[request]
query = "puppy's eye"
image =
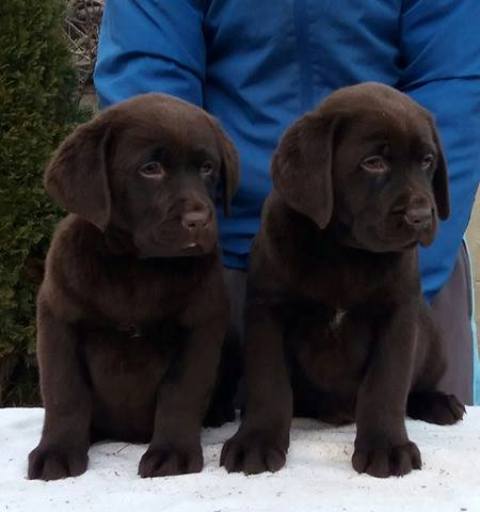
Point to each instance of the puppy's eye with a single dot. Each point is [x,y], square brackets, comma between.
[206,169]
[427,162]
[152,169]
[374,164]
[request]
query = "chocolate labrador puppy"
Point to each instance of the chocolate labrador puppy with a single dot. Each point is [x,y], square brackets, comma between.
[336,324]
[133,310]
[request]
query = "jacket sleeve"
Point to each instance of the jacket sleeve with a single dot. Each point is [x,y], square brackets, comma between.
[150,46]
[440,59]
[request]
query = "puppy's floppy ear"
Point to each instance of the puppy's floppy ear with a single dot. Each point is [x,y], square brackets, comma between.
[440,177]
[76,177]
[230,167]
[302,167]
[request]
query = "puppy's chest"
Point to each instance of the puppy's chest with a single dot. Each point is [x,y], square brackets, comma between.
[342,285]
[336,319]
[137,299]
[331,344]
[133,306]
[309,318]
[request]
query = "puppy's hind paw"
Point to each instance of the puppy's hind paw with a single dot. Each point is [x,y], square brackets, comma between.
[435,407]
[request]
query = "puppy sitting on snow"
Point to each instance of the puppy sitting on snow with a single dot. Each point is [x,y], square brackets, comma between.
[132,312]
[336,324]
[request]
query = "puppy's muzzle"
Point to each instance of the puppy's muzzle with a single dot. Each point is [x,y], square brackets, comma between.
[199,226]
[418,219]
[414,213]
[197,220]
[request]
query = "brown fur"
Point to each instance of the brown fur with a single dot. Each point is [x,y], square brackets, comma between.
[132,311]
[336,324]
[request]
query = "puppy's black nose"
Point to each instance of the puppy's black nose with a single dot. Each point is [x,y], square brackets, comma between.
[418,218]
[196,219]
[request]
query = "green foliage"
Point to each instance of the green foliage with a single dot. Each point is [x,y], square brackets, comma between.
[37,109]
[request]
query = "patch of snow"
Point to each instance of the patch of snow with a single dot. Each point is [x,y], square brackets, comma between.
[318,475]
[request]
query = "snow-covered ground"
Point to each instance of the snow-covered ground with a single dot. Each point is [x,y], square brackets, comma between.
[318,475]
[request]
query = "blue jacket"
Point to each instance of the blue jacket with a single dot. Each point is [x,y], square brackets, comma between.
[259,64]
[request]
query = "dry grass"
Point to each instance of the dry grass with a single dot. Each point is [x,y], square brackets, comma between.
[82,23]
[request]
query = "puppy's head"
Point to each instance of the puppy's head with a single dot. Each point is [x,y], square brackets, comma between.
[150,169]
[367,163]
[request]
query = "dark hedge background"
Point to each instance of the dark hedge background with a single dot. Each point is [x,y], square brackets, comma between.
[39,105]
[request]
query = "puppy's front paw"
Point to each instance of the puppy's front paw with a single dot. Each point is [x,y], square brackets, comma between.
[54,462]
[384,459]
[253,452]
[170,460]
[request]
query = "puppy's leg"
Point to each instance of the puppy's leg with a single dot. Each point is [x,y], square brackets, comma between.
[382,447]
[262,440]
[222,404]
[181,405]
[62,451]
